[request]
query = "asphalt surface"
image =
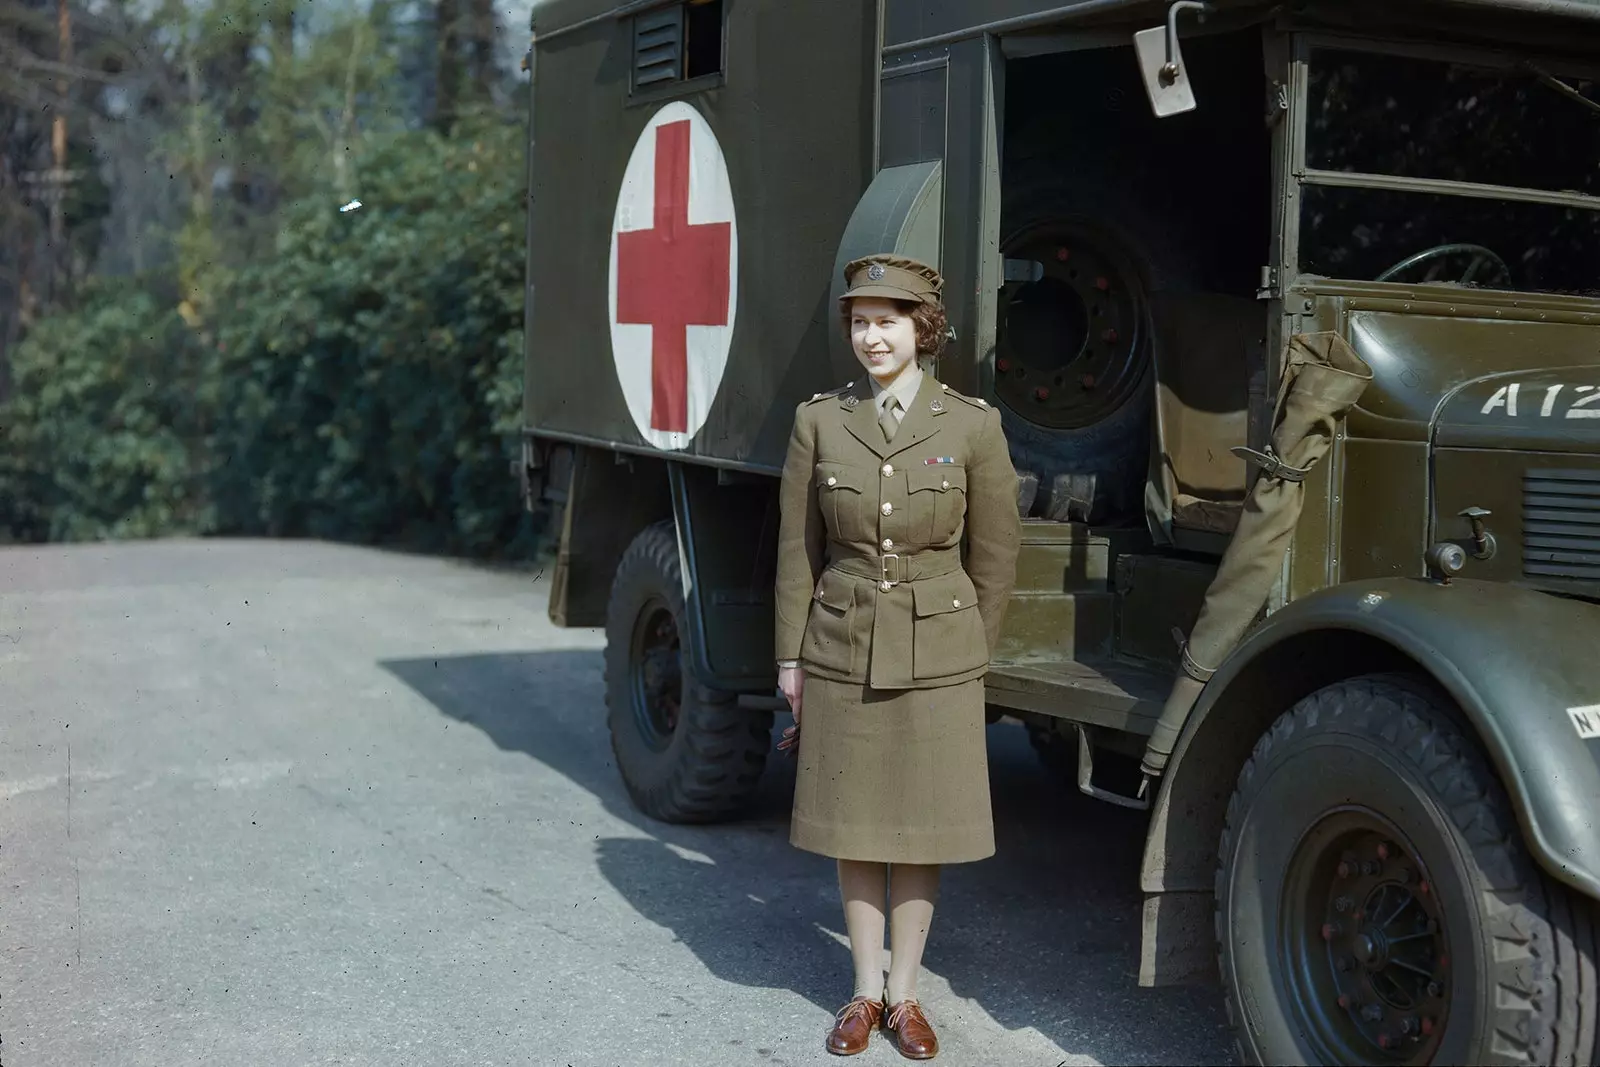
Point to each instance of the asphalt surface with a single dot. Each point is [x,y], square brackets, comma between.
[296,803]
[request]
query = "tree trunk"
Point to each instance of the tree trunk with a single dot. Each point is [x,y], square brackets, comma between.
[448,73]
[482,47]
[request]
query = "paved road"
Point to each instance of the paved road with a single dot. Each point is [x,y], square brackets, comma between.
[296,803]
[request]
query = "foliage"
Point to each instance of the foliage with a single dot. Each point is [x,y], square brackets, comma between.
[101,430]
[363,383]
[278,366]
[372,371]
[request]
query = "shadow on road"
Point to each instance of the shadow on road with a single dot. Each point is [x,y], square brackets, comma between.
[1043,935]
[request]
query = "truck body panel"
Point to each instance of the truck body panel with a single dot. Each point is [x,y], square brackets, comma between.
[1145,296]
[795,181]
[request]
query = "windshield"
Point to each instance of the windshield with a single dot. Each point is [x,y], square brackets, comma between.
[1400,116]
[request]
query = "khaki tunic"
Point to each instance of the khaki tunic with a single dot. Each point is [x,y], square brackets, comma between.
[895,564]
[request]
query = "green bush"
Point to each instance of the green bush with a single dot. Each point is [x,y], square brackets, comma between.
[102,437]
[364,384]
[373,369]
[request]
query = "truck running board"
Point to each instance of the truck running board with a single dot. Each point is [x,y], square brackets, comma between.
[1113,696]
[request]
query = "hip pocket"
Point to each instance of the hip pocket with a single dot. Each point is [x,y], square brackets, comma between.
[947,631]
[828,639]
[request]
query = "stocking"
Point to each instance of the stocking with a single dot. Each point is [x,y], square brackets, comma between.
[912,889]
[862,885]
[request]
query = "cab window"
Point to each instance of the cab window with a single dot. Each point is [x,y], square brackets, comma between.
[1373,115]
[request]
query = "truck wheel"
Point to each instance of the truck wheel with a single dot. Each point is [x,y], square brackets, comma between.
[687,753]
[1072,366]
[1374,903]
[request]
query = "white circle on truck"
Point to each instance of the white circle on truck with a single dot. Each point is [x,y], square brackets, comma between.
[674,276]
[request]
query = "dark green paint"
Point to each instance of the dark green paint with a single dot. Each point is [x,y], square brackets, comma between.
[1536,410]
[902,211]
[729,603]
[837,148]
[1421,359]
[795,182]
[1513,658]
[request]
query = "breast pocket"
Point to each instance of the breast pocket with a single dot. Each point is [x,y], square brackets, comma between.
[841,491]
[937,501]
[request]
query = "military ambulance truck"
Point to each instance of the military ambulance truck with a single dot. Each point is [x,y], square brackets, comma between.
[1292,312]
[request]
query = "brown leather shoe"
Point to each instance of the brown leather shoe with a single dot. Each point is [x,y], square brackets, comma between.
[912,1031]
[857,1020]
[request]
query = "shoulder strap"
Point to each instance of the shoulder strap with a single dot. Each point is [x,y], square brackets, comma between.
[974,401]
[831,393]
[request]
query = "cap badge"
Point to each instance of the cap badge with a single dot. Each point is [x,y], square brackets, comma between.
[875,272]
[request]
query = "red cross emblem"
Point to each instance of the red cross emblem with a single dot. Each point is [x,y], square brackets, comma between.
[673,282]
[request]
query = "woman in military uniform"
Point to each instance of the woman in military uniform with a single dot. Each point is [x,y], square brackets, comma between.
[897,554]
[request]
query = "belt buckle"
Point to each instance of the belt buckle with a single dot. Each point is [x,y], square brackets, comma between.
[886,583]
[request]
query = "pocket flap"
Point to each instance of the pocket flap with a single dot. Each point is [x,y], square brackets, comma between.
[836,591]
[939,477]
[948,592]
[840,476]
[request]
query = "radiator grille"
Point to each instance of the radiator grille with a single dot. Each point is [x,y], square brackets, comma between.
[1561,524]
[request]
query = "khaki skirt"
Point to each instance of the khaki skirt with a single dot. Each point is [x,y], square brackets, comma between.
[893,776]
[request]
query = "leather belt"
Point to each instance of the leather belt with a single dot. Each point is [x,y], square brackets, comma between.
[891,568]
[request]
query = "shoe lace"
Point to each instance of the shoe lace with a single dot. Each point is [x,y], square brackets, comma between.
[857,1006]
[904,1010]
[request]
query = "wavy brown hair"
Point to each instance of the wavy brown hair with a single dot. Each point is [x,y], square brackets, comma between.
[930,321]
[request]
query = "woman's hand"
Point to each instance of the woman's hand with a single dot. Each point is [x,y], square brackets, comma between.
[792,681]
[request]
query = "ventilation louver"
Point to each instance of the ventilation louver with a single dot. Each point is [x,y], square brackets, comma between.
[657,47]
[1561,524]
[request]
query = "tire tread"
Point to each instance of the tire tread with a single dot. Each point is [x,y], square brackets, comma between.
[717,761]
[1543,936]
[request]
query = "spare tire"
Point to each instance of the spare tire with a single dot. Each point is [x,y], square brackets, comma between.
[1072,365]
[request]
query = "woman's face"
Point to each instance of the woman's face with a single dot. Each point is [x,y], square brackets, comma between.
[883,336]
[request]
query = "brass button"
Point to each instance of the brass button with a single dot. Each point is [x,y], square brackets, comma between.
[956,602]
[887,544]
[884,585]
[888,508]
[832,480]
[944,485]
[888,470]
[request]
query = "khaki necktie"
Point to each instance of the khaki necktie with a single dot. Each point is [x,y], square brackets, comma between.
[886,420]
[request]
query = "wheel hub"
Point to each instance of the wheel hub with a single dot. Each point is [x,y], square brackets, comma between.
[657,688]
[1371,954]
[1370,950]
[1069,342]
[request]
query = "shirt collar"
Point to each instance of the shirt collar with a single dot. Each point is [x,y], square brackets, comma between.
[905,389]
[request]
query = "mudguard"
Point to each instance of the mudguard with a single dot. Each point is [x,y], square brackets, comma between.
[901,211]
[1524,667]
[728,575]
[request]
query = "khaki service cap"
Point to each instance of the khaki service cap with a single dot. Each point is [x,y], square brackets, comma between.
[892,277]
